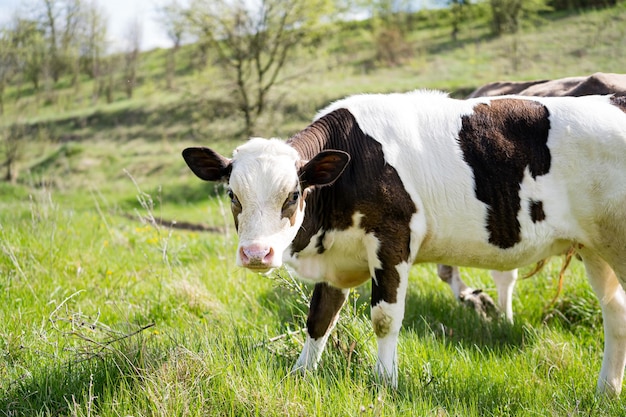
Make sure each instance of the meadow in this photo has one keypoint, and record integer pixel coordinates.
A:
(111, 306)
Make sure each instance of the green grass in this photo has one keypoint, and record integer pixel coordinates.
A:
(106, 311)
(108, 315)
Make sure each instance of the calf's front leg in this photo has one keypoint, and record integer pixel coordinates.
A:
(388, 297)
(324, 308)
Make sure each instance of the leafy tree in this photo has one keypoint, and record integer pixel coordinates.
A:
(11, 140)
(458, 15)
(254, 40)
(28, 41)
(391, 22)
(8, 63)
(507, 15)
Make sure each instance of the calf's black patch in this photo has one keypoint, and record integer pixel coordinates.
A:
(499, 141)
(536, 211)
(369, 185)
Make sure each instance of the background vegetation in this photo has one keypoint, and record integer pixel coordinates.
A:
(108, 309)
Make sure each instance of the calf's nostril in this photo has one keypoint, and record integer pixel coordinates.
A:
(267, 259)
(244, 256)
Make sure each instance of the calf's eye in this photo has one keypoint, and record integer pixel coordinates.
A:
(293, 197)
(291, 200)
(233, 198)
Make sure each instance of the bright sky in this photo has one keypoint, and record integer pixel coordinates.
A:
(120, 14)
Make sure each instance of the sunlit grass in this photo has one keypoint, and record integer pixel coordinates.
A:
(108, 310)
(110, 315)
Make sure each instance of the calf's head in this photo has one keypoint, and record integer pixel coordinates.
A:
(267, 184)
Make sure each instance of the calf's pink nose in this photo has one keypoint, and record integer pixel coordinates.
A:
(256, 256)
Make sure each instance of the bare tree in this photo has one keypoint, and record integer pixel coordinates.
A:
(70, 39)
(254, 40)
(93, 43)
(131, 55)
(173, 18)
(50, 23)
(60, 20)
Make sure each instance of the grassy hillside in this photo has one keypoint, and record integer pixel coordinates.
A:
(107, 310)
(157, 122)
(198, 109)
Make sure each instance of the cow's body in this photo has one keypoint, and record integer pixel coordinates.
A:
(598, 83)
(490, 183)
(595, 84)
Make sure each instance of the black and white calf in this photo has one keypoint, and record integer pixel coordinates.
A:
(379, 182)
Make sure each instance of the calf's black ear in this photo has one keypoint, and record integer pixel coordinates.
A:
(324, 168)
(207, 164)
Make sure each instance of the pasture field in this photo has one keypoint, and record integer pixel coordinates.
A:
(108, 310)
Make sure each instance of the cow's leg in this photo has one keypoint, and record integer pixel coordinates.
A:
(477, 299)
(612, 298)
(388, 297)
(505, 283)
(324, 308)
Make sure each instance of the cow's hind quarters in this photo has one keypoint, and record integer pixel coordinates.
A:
(610, 293)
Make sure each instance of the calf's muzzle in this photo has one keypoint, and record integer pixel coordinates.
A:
(256, 256)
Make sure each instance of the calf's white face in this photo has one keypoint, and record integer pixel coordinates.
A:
(266, 202)
(267, 185)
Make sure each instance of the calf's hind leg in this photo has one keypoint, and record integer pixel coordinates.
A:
(612, 298)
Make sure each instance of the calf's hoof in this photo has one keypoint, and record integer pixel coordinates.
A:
(481, 302)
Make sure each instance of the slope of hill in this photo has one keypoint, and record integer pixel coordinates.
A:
(69, 140)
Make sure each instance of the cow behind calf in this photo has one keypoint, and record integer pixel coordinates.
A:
(379, 182)
(598, 83)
